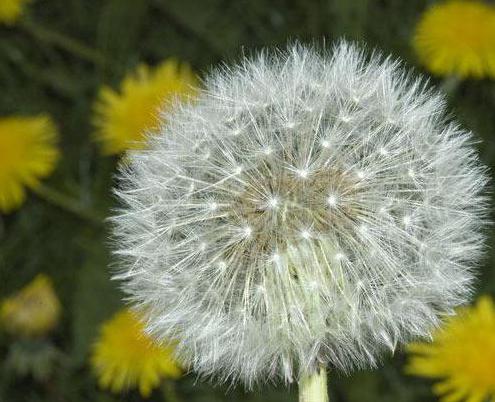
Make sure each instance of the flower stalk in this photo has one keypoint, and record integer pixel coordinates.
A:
(313, 387)
(67, 43)
(67, 203)
(450, 84)
(169, 392)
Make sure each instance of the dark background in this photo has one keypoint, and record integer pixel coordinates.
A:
(56, 59)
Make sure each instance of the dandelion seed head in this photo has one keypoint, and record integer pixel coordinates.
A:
(246, 307)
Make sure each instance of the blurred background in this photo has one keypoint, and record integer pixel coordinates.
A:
(68, 73)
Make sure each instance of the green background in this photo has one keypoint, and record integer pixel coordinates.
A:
(55, 61)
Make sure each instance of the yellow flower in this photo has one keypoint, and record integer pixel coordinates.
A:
(457, 38)
(33, 311)
(28, 152)
(462, 355)
(122, 118)
(125, 357)
(11, 10)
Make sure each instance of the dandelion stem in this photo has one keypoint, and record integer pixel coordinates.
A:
(185, 27)
(63, 41)
(313, 387)
(169, 392)
(67, 203)
(450, 84)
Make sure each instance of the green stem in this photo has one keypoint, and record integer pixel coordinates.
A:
(64, 42)
(169, 392)
(68, 204)
(450, 84)
(313, 387)
(186, 27)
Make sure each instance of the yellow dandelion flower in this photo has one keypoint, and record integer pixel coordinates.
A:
(11, 10)
(462, 355)
(122, 118)
(28, 152)
(125, 357)
(33, 311)
(457, 38)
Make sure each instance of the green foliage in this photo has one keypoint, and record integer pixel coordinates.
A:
(55, 61)
(88, 311)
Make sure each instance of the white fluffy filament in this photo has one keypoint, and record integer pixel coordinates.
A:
(306, 209)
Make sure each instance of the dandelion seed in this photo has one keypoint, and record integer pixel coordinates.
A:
(306, 234)
(332, 200)
(268, 151)
(383, 151)
(360, 174)
(407, 220)
(247, 231)
(302, 173)
(273, 202)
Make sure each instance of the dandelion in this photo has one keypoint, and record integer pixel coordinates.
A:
(306, 211)
(29, 152)
(457, 38)
(32, 312)
(462, 355)
(122, 118)
(125, 357)
(11, 10)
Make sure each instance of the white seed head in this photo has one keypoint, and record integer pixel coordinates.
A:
(337, 215)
